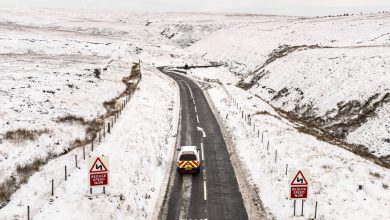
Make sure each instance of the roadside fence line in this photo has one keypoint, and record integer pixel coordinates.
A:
(107, 125)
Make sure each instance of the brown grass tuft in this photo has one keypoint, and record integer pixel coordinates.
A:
(6, 190)
(26, 170)
(110, 105)
(135, 71)
(131, 86)
(266, 113)
(71, 118)
(22, 134)
(376, 175)
(10, 185)
(79, 143)
(93, 128)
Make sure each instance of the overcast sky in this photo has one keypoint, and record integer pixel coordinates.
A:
(287, 7)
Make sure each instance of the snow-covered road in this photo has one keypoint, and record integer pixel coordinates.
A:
(214, 192)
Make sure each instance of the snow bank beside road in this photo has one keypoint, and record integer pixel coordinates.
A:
(140, 149)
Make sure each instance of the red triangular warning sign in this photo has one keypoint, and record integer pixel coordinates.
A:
(98, 167)
(299, 180)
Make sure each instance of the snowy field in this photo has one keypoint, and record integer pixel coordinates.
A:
(46, 77)
(331, 72)
(139, 159)
(321, 82)
(247, 45)
(48, 72)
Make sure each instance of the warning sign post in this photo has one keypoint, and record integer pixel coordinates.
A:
(299, 184)
(98, 171)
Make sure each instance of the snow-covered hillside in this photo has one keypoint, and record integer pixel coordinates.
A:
(271, 148)
(60, 74)
(47, 76)
(332, 73)
(139, 155)
(334, 89)
(251, 43)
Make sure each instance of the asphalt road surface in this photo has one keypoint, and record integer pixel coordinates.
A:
(213, 193)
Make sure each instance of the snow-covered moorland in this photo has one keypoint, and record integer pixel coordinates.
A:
(270, 146)
(60, 73)
(53, 85)
(139, 155)
(330, 73)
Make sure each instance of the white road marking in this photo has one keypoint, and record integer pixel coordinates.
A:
(201, 148)
(205, 190)
(187, 185)
(201, 129)
(192, 96)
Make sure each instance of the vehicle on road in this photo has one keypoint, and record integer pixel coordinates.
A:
(188, 160)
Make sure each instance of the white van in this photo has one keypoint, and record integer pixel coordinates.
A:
(188, 160)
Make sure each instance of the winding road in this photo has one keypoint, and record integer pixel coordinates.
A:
(213, 193)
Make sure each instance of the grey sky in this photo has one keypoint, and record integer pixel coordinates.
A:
(288, 7)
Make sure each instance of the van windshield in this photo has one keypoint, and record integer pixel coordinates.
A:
(188, 157)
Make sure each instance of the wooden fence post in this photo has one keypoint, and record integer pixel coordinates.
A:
(276, 155)
(52, 187)
(286, 168)
(104, 129)
(66, 175)
(262, 135)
